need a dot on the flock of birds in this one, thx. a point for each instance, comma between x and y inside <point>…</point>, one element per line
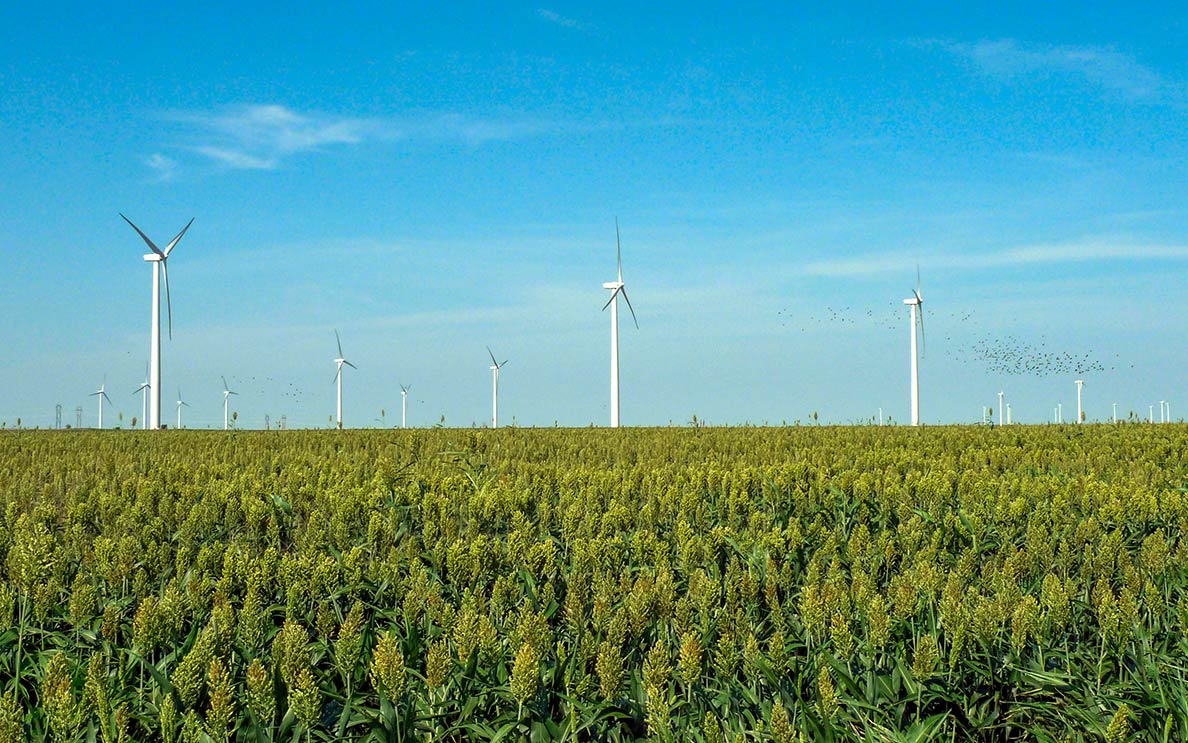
<point>1007,355</point>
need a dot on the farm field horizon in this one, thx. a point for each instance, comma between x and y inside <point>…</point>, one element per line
<point>832,583</point>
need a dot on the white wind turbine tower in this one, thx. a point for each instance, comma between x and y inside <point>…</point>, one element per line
<point>227,393</point>
<point>159,258</point>
<point>617,287</point>
<point>1080,384</point>
<point>495,367</point>
<point>102,395</point>
<point>143,389</point>
<point>1000,407</point>
<point>916,302</point>
<point>180,405</point>
<point>404,388</point>
<point>338,374</point>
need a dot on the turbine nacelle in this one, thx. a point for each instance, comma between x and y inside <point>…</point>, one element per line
<point>153,258</point>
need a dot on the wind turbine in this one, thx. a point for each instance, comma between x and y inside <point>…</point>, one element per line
<point>916,302</point>
<point>338,374</point>
<point>102,395</point>
<point>1000,407</point>
<point>180,404</point>
<point>159,258</point>
<point>617,287</point>
<point>495,367</point>
<point>1080,415</point>
<point>404,388</point>
<point>227,393</point>
<point>143,389</point>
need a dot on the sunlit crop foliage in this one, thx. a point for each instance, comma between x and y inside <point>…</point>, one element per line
<point>793,584</point>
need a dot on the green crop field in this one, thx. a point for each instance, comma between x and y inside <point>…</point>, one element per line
<point>789,584</point>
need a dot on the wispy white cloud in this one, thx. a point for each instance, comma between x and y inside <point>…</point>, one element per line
<point>1110,70</point>
<point>165,167</point>
<point>558,19</point>
<point>266,136</point>
<point>1083,252</point>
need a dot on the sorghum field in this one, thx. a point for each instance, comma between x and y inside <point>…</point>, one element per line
<point>815,584</point>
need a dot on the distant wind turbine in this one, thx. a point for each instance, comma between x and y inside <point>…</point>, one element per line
<point>1000,407</point>
<point>102,395</point>
<point>1080,415</point>
<point>404,388</point>
<point>180,405</point>
<point>338,374</point>
<point>916,302</point>
<point>227,393</point>
<point>495,367</point>
<point>159,258</point>
<point>143,389</point>
<point>617,287</point>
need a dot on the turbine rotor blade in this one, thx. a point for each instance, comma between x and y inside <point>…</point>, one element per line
<point>339,341</point>
<point>168,301</point>
<point>492,355</point>
<point>614,294</point>
<point>923,344</point>
<point>624,289</point>
<point>226,388</point>
<point>144,237</point>
<point>173,243</point>
<point>618,249</point>
<point>350,364</point>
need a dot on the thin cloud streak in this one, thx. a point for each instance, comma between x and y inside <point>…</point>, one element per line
<point>266,136</point>
<point>558,19</point>
<point>1101,67</point>
<point>1021,256</point>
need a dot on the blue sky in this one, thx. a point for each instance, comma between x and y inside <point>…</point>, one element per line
<point>430,180</point>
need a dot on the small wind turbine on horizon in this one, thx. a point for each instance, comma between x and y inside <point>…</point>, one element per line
<point>180,405</point>
<point>338,374</point>
<point>102,395</point>
<point>916,302</point>
<point>617,287</point>
<point>495,367</point>
<point>159,258</point>
<point>404,388</point>
<point>143,389</point>
<point>227,393</point>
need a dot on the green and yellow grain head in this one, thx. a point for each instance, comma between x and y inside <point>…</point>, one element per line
<point>752,657</point>
<point>191,729</point>
<point>63,710</point>
<point>305,699</point>
<point>167,719</point>
<point>220,713</point>
<point>1118,730</point>
<point>84,604</point>
<point>261,698</point>
<point>525,675</point>
<point>110,628</point>
<point>924,661</point>
<point>438,664</point>
<point>711,729</point>
<point>780,725</point>
<point>610,667</point>
<point>691,658</point>
<point>96,692</point>
<point>290,650</point>
<point>827,701</point>
<point>1025,623</point>
<point>12,727</point>
<point>841,637</point>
